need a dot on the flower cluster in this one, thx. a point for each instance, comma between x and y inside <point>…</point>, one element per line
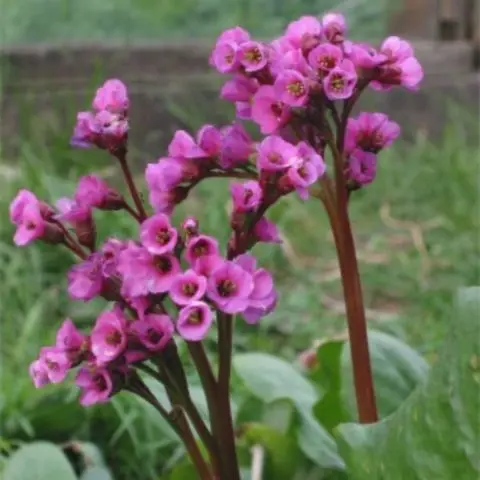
<point>174,282</point>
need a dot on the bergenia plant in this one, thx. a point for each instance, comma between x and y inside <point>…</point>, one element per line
<point>174,283</point>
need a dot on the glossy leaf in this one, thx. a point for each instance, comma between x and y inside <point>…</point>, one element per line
<point>96,473</point>
<point>38,461</point>
<point>397,370</point>
<point>434,434</point>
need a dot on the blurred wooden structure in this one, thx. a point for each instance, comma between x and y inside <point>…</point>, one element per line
<point>173,86</point>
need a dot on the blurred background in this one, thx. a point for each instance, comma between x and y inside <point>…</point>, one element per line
<point>416,226</point>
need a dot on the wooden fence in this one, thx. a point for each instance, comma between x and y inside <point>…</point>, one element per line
<point>172,85</point>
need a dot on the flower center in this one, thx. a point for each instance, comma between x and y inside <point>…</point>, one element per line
<point>297,89</point>
<point>163,236</point>
<point>189,289</point>
<point>195,317</point>
<point>226,288</point>
<point>327,62</point>
<point>274,157</point>
<point>247,195</point>
<point>99,382</point>
<point>52,365</point>
<point>253,55</point>
<point>162,264</point>
<point>337,83</point>
<point>277,109</point>
<point>30,226</point>
<point>200,249</point>
<point>113,338</point>
<point>302,171</point>
<point>154,336</point>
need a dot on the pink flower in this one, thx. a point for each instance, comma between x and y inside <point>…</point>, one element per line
<point>184,146</point>
<point>18,204</point>
<point>301,176</point>
<point>188,287</point>
<point>153,331</point>
<point>168,173</point>
<point>96,385</point>
<point>163,201</point>
<point>200,246</point>
<point>230,286</point>
<point>225,57</point>
<point>291,88</point>
<point>209,139</point>
<point>144,273</point>
<point>246,196</point>
<point>32,225</point>
<point>266,231</point>
<point>268,111</point>
<point>396,49</point>
<point>341,81</point>
<point>239,89</point>
<point>190,226</point>
<point>85,280</point>
<point>309,154</point>
<point>206,264</point>
<point>56,362</point>
<point>370,132</point>
<point>157,234</point>
<point>235,34</point>
<point>109,336</point>
<point>112,96</point>
<point>69,339</point>
<point>110,253</point>
<point>39,373</point>
<point>83,136</point>
<point>292,59</point>
<point>334,27</point>
<point>237,145</point>
<point>92,191</point>
<point>252,56</point>
<point>263,297</point>
<point>194,321</point>
<point>325,58</point>
<point>298,29</point>
<point>362,167</point>
<point>365,56</point>
<point>275,154</point>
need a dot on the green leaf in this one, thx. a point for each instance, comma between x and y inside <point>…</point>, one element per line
<point>397,370</point>
<point>330,410</point>
<point>38,461</point>
<point>282,454</point>
<point>434,434</point>
<point>271,378</point>
<point>96,473</point>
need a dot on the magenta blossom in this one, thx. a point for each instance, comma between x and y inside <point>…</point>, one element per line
<point>206,264</point>
<point>92,191</point>
<point>85,280</point>
<point>275,154</point>
<point>184,146</point>
<point>268,111</point>
<point>80,218</point>
<point>153,331</point>
<point>69,339</point>
<point>252,56</point>
<point>188,287</point>
<point>365,56</point>
<point>39,373</point>
<point>299,29</point>
<point>302,175</point>
<point>239,89</point>
<point>110,253</point>
<point>230,286</point>
<point>57,363</point>
<point>225,57</point>
<point>109,336</point>
<point>236,34</point>
<point>209,139</point>
<point>334,27</point>
<point>370,132</point>
<point>291,88</point>
<point>96,385</point>
<point>310,155</point>
<point>341,81</point>
<point>194,321</point>
<point>266,231</point>
<point>18,204</point>
<point>200,246</point>
<point>264,296</point>
<point>32,225</point>
<point>236,147</point>
<point>362,167</point>
<point>190,226</point>
<point>246,196</point>
<point>112,96</point>
<point>157,234</point>
<point>324,58</point>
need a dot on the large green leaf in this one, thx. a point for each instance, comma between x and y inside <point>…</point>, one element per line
<point>435,433</point>
<point>397,370</point>
<point>272,379</point>
<point>38,461</point>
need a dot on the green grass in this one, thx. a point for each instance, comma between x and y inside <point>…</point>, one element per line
<point>416,229</point>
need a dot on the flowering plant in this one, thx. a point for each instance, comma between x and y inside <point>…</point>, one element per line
<point>176,283</point>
